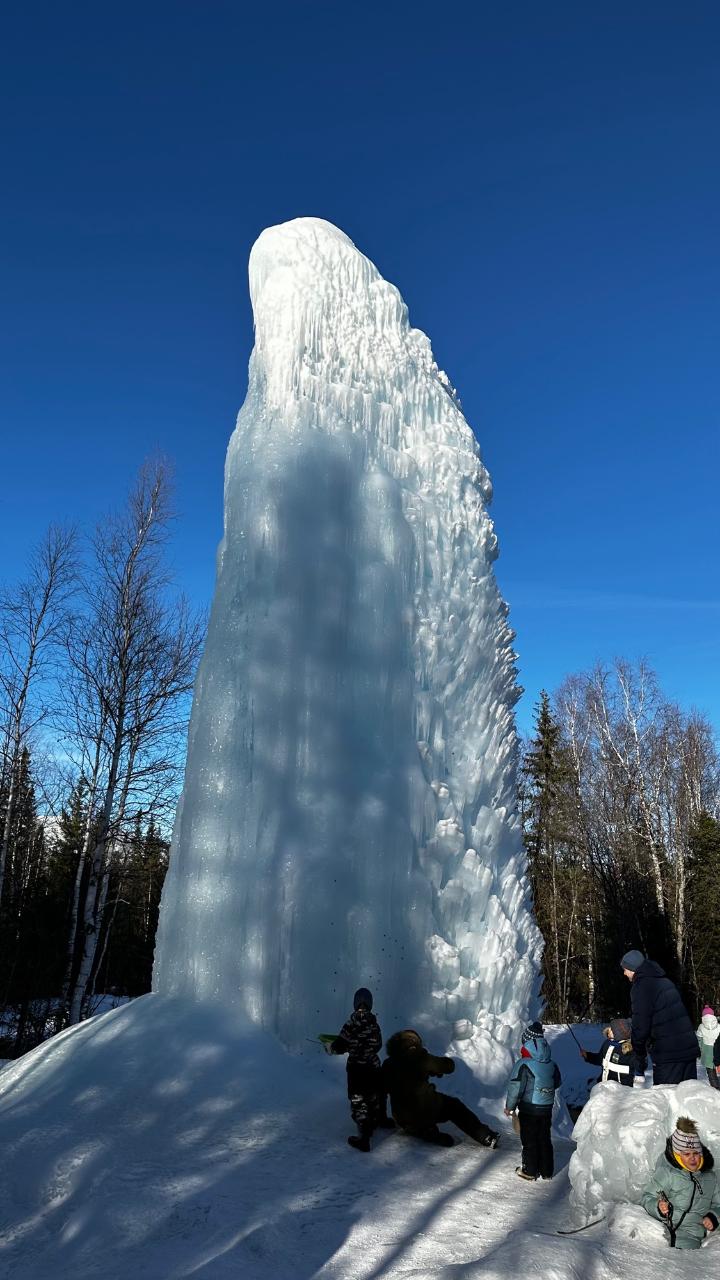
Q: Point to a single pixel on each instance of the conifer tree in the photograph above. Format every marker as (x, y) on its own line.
(23, 917)
(556, 869)
(704, 910)
(135, 894)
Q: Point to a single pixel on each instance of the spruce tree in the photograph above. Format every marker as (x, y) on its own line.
(556, 870)
(24, 917)
(135, 890)
(704, 910)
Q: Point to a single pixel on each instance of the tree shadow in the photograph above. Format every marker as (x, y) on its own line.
(171, 1140)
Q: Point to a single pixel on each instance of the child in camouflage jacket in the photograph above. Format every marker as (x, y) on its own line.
(361, 1040)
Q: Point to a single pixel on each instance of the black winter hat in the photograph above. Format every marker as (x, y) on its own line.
(362, 997)
(534, 1031)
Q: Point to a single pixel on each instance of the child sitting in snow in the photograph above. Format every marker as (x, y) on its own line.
(416, 1104)
(708, 1034)
(531, 1089)
(616, 1058)
(684, 1191)
(361, 1040)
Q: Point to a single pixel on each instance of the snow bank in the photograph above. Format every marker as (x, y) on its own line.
(129, 1143)
(620, 1135)
(349, 814)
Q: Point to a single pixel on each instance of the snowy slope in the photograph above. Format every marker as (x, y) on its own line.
(165, 1140)
(349, 814)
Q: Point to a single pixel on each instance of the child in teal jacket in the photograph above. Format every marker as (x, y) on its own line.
(531, 1089)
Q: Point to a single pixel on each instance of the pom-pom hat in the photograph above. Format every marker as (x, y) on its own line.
(534, 1031)
(684, 1138)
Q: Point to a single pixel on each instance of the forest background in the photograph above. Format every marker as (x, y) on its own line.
(619, 790)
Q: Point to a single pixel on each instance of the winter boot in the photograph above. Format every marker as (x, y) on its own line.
(522, 1173)
(362, 1141)
(490, 1140)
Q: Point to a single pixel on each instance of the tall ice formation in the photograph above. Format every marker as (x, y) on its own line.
(349, 810)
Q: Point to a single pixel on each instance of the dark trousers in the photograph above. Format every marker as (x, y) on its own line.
(673, 1072)
(446, 1108)
(452, 1109)
(713, 1077)
(366, 1092)
(537, 1148)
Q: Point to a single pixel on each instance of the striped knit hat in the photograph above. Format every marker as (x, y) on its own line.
(685, 1138)
(533, 1032)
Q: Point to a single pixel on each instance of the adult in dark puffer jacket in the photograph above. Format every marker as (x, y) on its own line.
(660, 1022)
(416, 1104)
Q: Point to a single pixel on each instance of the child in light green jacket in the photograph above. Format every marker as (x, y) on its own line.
(684, 1192)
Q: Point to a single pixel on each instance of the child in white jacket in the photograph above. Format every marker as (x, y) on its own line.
(707, 1034)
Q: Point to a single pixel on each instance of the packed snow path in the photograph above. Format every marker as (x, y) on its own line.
(164, 1141)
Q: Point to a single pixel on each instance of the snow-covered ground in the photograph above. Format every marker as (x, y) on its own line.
(168, 1139)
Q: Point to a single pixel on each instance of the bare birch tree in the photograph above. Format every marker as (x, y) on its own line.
(644, 773)
(33, 619)
(133, 656)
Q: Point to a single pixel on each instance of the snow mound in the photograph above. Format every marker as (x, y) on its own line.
(349, 814)
(620, 1135)
(129, 1142)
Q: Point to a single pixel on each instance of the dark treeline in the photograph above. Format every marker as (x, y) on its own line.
(620, 793)
(97, 660)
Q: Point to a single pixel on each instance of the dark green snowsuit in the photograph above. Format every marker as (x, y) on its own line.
(416, 1104)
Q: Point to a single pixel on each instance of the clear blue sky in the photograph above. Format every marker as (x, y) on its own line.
(541, 181)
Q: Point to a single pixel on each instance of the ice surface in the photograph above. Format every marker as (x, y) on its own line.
(349, 811)
(620, 1135)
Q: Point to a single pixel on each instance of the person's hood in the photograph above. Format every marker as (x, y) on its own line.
(708, 1159)
(538, 1050)
(403, 1043)
(621, 1029)
(649, 969)
(709, 1028)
